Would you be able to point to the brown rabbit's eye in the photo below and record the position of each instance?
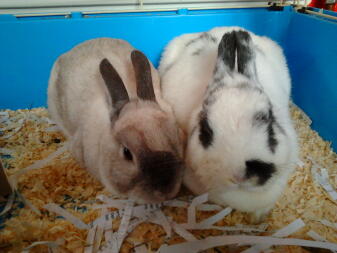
(127, 154)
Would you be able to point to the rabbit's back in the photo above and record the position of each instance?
(188, 63)
(186, 68)
(76, 87)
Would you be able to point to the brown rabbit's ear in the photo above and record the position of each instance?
(142, 69)
(114, 83)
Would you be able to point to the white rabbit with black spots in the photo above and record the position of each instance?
(105, 97)
(230, 92)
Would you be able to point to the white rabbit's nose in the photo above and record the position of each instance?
(260, 169)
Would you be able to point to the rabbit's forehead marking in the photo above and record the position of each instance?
(131, 137)
(218, 90)
(149, 127)
(139, 138)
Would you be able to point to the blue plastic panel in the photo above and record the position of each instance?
(311, 49)
(29, 46)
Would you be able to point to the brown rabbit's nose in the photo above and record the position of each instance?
(160, 170)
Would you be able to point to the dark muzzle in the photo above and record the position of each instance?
(160, 170)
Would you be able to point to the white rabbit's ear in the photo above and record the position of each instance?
(235, 52)
(142, 69)
(245, 54)
(227, 51)
(114, 83)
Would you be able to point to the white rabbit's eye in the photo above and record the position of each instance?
(261, 117)
(127, 154)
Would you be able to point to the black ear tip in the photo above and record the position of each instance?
(228, 37)
(136, 54)
(105, 65)
(105, 61)
(243, 35)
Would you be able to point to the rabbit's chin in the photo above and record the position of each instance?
(141, 196)
(240, 187)
(252, 201)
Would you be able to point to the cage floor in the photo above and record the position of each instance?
(28, 136)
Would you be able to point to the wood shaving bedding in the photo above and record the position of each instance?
(30, 136)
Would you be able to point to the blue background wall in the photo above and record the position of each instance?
(311, 50)
(29, 46)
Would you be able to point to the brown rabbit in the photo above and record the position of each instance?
(105, 97)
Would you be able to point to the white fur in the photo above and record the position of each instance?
(185, 78)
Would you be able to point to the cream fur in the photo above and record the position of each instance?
(80, 104)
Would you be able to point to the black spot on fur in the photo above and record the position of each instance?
(267, 118)
(277, 124)
(205, 36)
(197, 52)
(262, 170)
(191, 42)
(272, 142)
(206, 132)
(160, 169)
